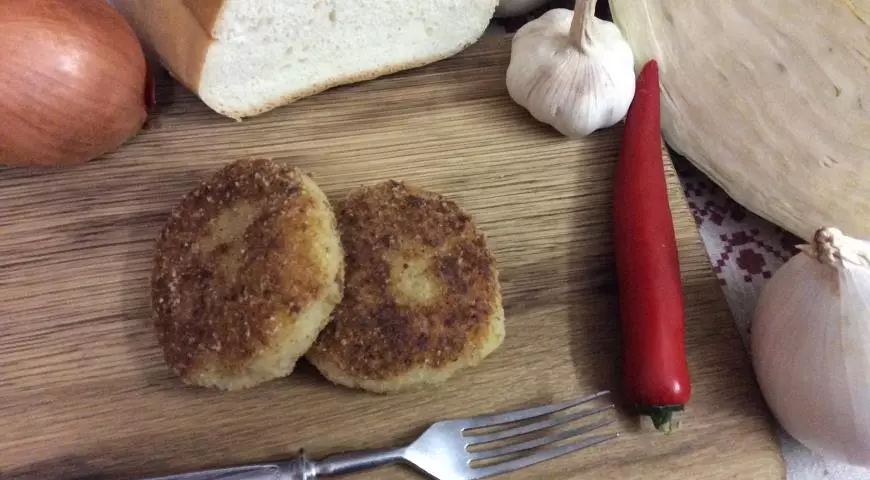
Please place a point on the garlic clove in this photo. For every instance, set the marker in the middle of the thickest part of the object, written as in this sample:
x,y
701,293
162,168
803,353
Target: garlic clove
x,y
572,70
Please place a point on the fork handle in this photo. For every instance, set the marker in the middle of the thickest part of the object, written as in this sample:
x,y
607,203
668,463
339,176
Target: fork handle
x,y
350,462
297,468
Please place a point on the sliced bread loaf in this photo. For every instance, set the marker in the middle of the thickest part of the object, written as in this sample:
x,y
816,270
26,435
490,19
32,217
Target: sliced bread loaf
x,y
245,57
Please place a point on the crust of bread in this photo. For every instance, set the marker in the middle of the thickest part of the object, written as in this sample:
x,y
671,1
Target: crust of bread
x,y
179,32
206,12
422,296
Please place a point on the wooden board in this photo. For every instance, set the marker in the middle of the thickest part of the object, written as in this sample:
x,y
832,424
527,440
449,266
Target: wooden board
x,y
84,392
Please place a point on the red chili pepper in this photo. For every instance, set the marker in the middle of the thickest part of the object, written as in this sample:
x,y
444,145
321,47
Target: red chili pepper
x,y
655,374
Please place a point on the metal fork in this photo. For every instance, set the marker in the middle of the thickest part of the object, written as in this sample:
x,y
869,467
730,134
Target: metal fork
x,y
447,450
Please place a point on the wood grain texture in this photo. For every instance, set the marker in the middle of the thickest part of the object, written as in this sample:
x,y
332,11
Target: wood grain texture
x,y
84,392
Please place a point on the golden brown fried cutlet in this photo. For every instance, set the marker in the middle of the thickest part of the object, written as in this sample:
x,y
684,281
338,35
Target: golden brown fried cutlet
x,y
247,270
422,297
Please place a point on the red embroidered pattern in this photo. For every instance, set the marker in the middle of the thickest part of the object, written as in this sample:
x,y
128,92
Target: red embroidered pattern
x,y
743,241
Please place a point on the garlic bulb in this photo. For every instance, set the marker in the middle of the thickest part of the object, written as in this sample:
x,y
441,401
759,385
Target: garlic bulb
x,y
572,70
811,346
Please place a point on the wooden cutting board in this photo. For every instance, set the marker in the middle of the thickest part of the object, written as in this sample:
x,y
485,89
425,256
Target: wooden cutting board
x,y
84,392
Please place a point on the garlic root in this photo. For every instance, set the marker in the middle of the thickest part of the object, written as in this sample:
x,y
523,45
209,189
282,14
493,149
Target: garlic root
x,y
572,70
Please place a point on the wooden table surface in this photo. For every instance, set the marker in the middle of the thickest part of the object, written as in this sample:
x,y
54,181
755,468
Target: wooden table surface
x,y
84,392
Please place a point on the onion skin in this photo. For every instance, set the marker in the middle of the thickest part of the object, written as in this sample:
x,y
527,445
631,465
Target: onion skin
x,y
810,352
73,82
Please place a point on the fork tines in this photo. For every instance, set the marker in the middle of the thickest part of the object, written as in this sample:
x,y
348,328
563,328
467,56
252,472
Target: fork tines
x,y
531,448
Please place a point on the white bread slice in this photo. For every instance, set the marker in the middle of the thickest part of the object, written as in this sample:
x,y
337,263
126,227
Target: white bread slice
x,y
246,57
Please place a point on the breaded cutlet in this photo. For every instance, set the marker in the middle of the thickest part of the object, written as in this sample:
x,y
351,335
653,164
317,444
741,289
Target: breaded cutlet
x,y
247,270
422,297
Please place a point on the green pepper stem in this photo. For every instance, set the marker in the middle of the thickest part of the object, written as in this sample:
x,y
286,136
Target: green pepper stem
x,y
662,417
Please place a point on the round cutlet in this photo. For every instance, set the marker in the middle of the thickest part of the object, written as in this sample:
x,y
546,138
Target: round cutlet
x,y
422,297
247,270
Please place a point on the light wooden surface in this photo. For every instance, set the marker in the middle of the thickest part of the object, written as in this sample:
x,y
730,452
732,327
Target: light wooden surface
x,y
83,390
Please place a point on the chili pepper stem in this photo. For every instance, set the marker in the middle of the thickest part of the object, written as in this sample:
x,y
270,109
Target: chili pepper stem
x,y
662,417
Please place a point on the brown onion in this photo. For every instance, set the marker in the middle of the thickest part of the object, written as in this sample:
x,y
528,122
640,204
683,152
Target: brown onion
x,y
73,81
